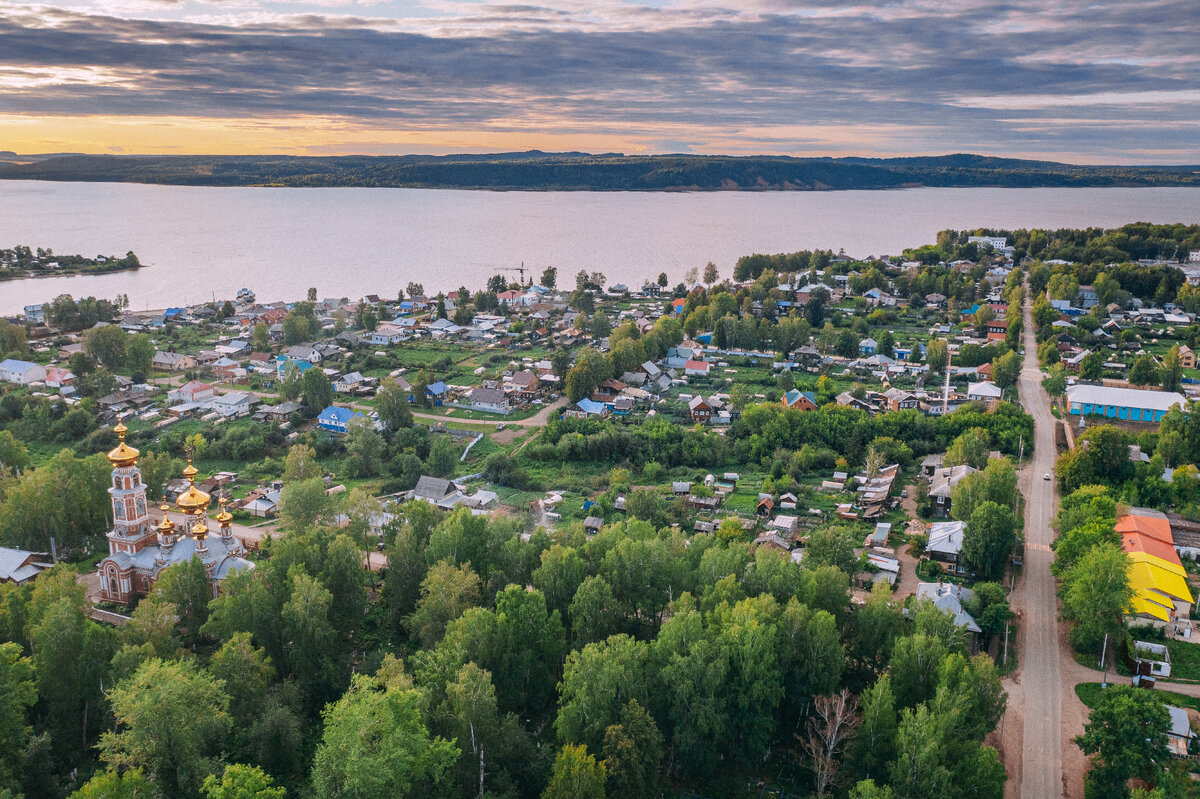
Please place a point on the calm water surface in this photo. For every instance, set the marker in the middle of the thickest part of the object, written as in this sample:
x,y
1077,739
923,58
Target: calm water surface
x,y
205,242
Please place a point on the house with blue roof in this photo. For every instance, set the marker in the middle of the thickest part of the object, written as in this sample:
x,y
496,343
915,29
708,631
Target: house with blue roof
x,y
437,392
336,419
804,400
283,363
586,408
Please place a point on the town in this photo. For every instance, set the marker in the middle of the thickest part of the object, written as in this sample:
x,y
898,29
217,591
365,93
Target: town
x,y
812,527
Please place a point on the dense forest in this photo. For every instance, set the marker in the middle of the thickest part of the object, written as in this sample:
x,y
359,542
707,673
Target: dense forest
x,y
584,172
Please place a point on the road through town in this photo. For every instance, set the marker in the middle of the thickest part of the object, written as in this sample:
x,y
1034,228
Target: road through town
x,y
1040,692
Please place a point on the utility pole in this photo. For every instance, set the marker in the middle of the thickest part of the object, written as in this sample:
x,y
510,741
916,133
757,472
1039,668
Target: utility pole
x,y
1103,652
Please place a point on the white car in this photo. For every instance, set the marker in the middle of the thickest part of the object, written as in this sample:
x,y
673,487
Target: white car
x,y
1047,476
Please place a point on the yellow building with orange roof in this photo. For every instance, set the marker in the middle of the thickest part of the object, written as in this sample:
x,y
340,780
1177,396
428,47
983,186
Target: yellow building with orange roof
x,y
1160,587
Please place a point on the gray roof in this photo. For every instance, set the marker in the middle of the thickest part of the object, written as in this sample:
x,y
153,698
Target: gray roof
x,y
1180,728
946,478
593,522
431,488
949,598
13,564
946,537
1125,397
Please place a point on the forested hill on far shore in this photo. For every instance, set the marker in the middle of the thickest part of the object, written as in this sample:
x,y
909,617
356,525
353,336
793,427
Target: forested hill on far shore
x,y
539,171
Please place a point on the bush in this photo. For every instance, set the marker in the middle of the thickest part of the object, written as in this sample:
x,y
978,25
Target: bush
x,y
929,571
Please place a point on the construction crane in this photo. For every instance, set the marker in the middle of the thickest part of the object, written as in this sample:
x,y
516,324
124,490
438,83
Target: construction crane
x,y
520,269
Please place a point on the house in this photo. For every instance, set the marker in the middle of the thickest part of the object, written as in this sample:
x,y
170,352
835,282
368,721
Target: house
x,y
950,598
608,390
942,484
592,525
59,378
803,400
681,488
192,391
21,566
697,368
880,536
526,385
931,464
172,362
235,403
492,400
437,392
623,406
983,392
586,408
848,400
945,544
898,399
1088,297
348,382
1132,404
21,372
1187,357
700,410
263,503
433,489
1179,734
35,314
771,538
285,366
766,504
227,369
336,419
386,336
1160,588
868,347
785,525
280,412
650,370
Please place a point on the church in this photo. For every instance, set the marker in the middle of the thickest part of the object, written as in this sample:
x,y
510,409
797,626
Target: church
x,y
139,550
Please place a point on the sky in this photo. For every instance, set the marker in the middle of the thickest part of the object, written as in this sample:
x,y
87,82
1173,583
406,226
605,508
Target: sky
x,y
1085,82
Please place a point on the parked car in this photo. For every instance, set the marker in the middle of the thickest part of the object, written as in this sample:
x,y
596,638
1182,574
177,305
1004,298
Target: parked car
x,y
1047,477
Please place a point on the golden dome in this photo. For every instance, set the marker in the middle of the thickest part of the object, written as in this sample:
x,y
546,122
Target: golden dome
x,y
192,502
224,517
124,455
199,530
166,526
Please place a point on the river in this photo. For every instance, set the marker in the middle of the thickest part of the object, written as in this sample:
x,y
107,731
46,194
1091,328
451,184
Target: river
x,y
204,242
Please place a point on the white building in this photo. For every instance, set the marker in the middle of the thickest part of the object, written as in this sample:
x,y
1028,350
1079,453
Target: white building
x,y
21,372
983,392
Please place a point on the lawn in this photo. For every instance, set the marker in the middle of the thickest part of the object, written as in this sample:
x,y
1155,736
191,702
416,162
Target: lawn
x,y
1089,694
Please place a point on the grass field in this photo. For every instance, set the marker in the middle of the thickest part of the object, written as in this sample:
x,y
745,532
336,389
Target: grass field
x,y
1089,694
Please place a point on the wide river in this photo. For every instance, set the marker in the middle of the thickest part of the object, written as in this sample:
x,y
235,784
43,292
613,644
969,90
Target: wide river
x,y
204,242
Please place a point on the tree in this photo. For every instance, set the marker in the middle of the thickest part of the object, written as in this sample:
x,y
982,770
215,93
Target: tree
x,y
171,718
1096,592
446,592
887,344
304,504
632,751
107,345
375,746
187,588
442,458
597,681
989,538
139,354
711,275
18,692
937,355
550,276
364,448
662,280
242,782
1055,382
876,741
867,789
1126,734
593,613
1006,369
316,390
576,775
971,447
1092,366
301,464
561,573
1172,370
247,673
833,545
1144,371
260,339
835,720
111,784
392,403
913,667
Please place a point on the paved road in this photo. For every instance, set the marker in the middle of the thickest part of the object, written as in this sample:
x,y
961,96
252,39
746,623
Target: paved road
x,y
1041,685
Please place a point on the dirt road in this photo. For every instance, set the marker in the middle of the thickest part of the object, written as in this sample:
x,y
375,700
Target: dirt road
x,y
1037,698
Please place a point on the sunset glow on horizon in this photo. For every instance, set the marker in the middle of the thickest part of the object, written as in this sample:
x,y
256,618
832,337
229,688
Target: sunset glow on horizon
x,y
1109,83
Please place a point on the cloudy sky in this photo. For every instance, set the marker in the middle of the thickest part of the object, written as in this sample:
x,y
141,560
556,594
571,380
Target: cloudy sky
x,y
1109,81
